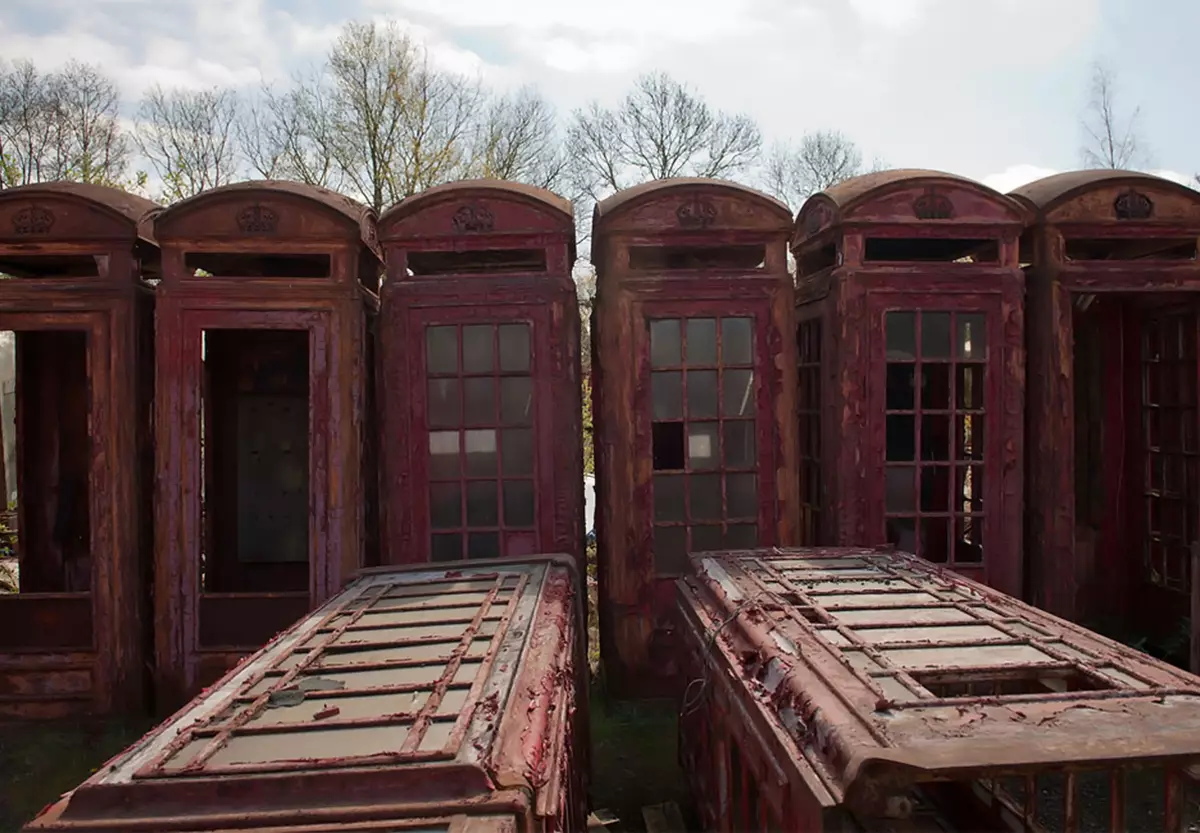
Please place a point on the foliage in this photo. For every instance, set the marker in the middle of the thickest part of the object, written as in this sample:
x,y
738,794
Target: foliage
x,y
589,449
189,138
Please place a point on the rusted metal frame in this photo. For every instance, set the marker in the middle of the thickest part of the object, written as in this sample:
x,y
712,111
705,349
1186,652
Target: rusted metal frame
x,y
399,718
401,688
487,663
260,702
183,738
430,706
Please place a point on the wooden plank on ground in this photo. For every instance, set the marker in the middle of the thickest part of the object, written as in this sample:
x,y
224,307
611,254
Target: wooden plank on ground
x,y
663,818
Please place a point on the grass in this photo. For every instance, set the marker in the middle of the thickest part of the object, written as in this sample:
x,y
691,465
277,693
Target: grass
x,y
41,761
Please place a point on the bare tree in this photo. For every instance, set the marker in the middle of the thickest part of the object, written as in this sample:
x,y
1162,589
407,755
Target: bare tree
x,y
518,139
189,137
1111,142
88,106
292,134
27,124
661,129
437,129
822,159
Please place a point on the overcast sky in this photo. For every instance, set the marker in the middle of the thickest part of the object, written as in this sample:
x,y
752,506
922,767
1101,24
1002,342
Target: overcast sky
x,y
992,89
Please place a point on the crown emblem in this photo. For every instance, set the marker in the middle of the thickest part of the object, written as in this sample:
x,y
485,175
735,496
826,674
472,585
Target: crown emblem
x,y
1132,205
472,219
696,213
933,206
257,219
33,220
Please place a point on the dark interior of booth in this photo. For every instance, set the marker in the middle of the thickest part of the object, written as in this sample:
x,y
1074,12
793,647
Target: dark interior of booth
x,y
1137,496
254,565
45,585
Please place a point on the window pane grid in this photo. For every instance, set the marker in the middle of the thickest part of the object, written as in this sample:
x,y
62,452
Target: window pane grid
x,y
1169,422
703,421
935,413
482,493
808,344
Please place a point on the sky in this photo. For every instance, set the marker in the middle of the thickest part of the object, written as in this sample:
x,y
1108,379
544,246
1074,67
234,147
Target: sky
x,y
990,89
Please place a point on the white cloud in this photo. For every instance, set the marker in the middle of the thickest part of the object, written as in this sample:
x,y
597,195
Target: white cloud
x,y
1015,176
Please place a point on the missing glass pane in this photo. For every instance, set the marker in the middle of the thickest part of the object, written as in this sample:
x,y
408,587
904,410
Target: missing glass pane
x,y
968,540
935,489
935,437
935,387
901,395
667,446
901,437
970,387
935,534
902,533
972,335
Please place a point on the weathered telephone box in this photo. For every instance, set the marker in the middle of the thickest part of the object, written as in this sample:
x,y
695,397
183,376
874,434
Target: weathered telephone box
x,y
1114,430
909,311
482,447
261,374
694,398
76,298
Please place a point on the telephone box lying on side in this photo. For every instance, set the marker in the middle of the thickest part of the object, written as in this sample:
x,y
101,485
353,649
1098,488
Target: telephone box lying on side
x,y
866,690
411,700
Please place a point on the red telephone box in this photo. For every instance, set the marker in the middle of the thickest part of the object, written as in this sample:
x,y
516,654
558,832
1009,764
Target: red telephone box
x,y
1114,305
909,312
261,354
79,305
693,410
482,447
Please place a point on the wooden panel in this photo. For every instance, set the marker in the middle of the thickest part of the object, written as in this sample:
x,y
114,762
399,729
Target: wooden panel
x,y
45,622
247,620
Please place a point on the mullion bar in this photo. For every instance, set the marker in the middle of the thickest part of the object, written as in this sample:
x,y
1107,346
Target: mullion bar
x,y
918,419
952,451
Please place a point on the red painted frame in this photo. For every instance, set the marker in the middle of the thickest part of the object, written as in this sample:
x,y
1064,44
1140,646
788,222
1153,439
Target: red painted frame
x,y
1098,575
482,217
851,293
637,622
84,652
266,218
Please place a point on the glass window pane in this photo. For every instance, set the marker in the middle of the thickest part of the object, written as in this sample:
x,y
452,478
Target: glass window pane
x,y
445,505
900,496
935,335
900,393
970,387
701,341
481,452
517,450
737,341
707,538
972,335
741,536
702,394
935,543
483,545
704,498
481,503
480,393
667,445
666,343
443,454
441,349
477,348
669,498
666,395
935,437
901,438
702,445
738,399
935,387
935,489
739,444
670,550
518,503
516,400
741,496
444,407
514,348
446,546
900,330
